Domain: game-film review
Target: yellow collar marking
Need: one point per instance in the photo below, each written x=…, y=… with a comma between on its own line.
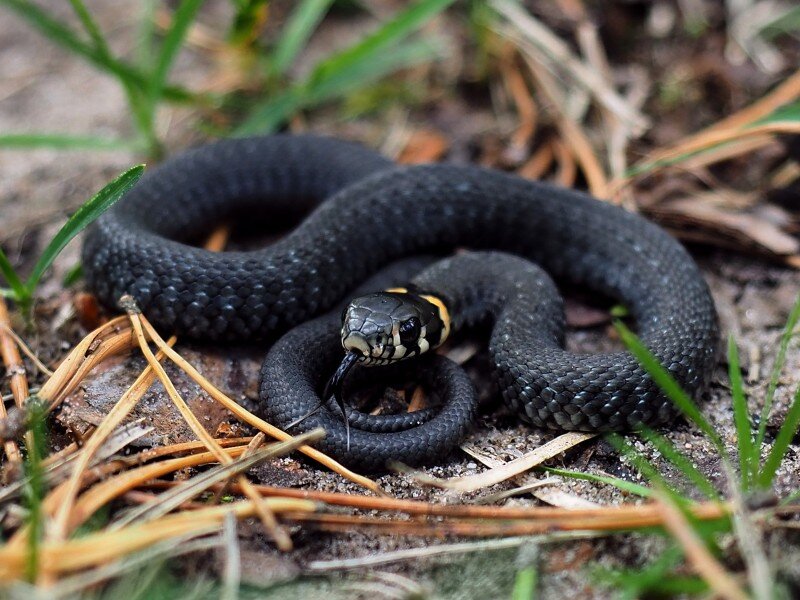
x=444, y=314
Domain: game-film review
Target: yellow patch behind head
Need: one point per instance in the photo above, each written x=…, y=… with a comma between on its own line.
x=444, y=314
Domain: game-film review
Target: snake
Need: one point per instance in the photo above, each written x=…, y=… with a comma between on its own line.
x=347, y=285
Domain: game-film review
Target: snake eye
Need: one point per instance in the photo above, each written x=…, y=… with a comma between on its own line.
x=409, y=330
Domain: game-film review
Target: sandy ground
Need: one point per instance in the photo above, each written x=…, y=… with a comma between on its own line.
x=42, y=89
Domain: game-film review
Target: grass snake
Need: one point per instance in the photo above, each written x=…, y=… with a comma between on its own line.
x=364, y=213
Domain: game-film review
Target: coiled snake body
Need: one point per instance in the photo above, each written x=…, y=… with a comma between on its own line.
x=365, y=214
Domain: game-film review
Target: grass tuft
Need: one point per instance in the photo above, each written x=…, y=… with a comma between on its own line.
x=22, y=292
x=35, y=489
x=668, y=385
x=378, y=54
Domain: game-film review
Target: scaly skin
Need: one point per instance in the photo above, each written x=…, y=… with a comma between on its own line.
x=369, y=214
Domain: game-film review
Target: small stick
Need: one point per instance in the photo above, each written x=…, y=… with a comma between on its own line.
x=18, y=381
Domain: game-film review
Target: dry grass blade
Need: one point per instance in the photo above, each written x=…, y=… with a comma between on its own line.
x=105, y=546
x=267, y=518
x=186, y=490
x=56, y=471
x=73, y=586
x=547, y=48
x=26, y=350
x=385, y=558
x=538, y=164
x=18, y=381
x=714, y=138
x=232, y=574
x=575, y=139
x=510, y=469
x=526, y=108
x=121, y=409
x=786, y=92
x=698, y=218
x=111, y=338
x=517, y=491
x=717, y=578
x=598, y=519
x=253, y=445
x=709, y=510
x=737, y=127
x=183, y=448
x=249, y=418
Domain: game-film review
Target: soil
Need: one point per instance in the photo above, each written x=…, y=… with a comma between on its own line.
x=44, y=89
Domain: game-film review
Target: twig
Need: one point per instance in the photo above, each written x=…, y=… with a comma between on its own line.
x=17, y=381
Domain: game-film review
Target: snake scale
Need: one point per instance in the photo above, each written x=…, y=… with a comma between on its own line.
x=364, y=213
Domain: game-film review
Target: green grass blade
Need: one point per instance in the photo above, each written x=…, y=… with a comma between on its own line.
x=362, y=73
x=73, y=275
x=794, y=496
x=668, y=385
x=777, y=369
x=91, y=27
x=748, y=457
x=35, y=489
x=59, y=141
x=783, y=23
x=785, y=436
x=301, y=24
x=87, y=213
x=18, y=289
x=644, y=466
x=267, y=116
x=681, y=462
x=145, y=35
x=625, y=486
x=181, y=20
x=54, y=31
x=250, y=14
x=525, y=584
x=389, y=34
x=788, y=113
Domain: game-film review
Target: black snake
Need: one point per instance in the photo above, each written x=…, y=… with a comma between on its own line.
x=365, y=213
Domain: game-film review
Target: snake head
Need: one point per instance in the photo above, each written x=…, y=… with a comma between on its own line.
x=393, y=325
x=386, y=327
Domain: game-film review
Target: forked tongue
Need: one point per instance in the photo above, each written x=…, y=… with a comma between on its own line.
x=335, y=383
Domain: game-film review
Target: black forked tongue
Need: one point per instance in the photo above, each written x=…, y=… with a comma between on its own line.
x=335, y=383
x=334, y=388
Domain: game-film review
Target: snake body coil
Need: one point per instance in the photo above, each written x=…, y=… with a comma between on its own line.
x=366, y=213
